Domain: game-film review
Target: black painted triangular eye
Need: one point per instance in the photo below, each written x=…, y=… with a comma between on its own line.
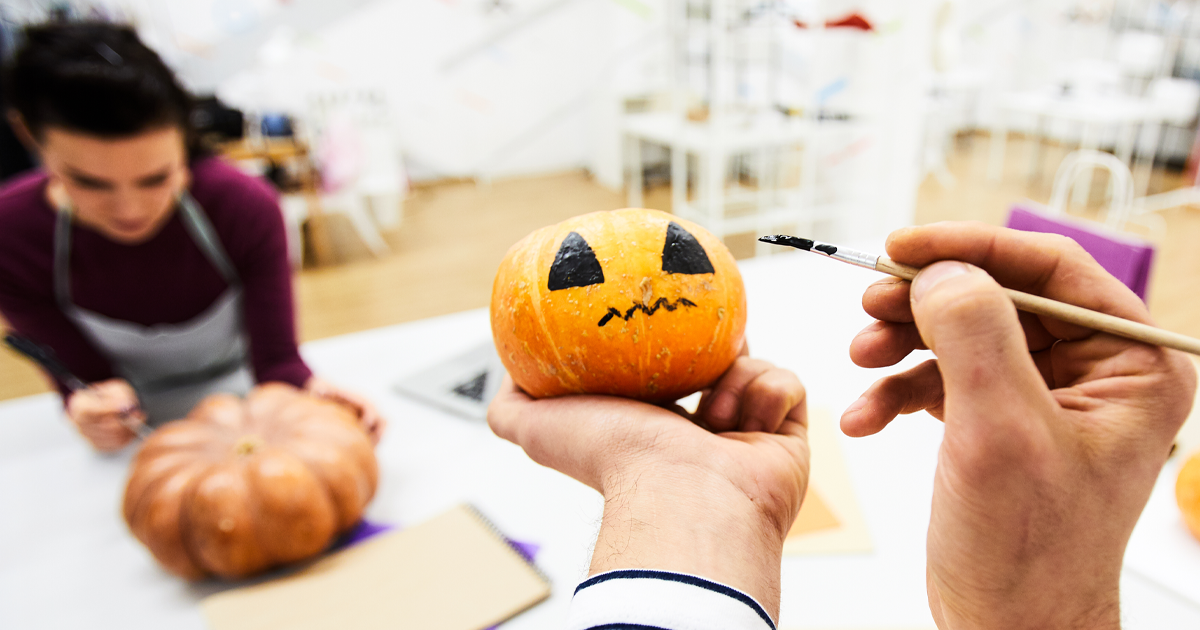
x=575, y=265
x=682, y=253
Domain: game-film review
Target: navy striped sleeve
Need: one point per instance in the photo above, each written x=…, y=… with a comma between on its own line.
x=637, y=599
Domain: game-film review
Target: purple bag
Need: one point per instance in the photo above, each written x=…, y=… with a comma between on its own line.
x=1127, y=258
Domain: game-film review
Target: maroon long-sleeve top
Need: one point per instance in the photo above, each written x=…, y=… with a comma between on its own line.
x=165, y=280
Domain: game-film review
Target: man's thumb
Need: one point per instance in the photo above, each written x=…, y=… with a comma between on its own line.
x=969, y=322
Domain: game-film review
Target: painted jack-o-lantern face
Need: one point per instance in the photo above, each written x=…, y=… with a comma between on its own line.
x=632, y=302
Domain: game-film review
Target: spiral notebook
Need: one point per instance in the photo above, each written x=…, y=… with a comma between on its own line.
x=453, y=572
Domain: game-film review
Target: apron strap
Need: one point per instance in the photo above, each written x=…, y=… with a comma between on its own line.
x=206, y=239
x=62, y=258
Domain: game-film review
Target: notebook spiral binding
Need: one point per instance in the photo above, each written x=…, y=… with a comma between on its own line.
x=491, y=527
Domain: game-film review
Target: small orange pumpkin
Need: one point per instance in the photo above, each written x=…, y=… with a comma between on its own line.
x=241, y=486
x=1187, y=493
x=635, y=303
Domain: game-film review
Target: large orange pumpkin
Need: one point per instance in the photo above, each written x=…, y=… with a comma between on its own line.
x=635, y=303
x=1187, y=493
x=240, y=486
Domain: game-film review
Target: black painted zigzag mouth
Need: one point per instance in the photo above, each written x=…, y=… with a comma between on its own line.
x=661, y=303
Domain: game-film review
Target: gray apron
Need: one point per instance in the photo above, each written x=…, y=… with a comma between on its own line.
x=171, y=366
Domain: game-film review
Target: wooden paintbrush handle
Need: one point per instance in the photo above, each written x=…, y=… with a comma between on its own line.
x=887, y=265
x=1073, y=314
x=1102, y=322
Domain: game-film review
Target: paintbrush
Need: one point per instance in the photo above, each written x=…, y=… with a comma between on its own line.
x=1023, y=301
x=50, y=362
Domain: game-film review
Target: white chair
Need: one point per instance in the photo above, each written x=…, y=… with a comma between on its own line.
x=1102, y=98
x=1179, y=103
x=1175, y=103
x=1139, y=57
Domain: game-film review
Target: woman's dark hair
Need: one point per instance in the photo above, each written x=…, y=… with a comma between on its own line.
x=95, y=78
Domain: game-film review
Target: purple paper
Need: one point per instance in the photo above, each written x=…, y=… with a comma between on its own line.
x=527, y=550
x=1125, y=257
x=360, y=532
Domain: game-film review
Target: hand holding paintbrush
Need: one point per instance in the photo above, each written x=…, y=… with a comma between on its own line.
x=93, y=401
x=1054, y=434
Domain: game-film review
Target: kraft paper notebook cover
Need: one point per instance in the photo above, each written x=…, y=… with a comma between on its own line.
x=453, y=572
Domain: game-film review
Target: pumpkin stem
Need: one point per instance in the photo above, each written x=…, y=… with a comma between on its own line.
x=247, y=444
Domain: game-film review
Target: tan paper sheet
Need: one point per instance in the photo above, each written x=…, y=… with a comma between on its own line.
x=450, y=573
x=830, y=519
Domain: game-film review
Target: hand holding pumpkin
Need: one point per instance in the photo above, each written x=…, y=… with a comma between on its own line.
x=368, y=416
x=1054, y=436
x=676, y=494
x=96, y=412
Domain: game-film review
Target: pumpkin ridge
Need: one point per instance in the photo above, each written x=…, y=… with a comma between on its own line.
x=254, y=494
x=187, y=495
x=149, y=488
x=349, y=442
x=327, y=489
x=726, y=322
x=643, y=357
x=540, y=318
x=146, y=528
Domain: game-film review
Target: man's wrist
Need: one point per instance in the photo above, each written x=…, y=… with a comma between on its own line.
x=1050, y=607
x=690, y=520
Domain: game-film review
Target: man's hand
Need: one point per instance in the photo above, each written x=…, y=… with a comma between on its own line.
x=368, y=416
x=679, y=497
x=97, y=413
x=1054, y=436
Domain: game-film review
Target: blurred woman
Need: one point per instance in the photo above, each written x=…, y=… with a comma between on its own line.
x=156, y=273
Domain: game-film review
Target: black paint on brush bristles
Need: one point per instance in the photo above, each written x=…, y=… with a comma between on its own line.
x=790, y=241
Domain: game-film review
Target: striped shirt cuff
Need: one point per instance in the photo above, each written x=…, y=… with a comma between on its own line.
x=630, y=599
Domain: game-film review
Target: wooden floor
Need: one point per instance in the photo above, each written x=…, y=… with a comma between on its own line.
x=454, y=235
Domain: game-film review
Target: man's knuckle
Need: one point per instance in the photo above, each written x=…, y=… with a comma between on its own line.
x=974, y=304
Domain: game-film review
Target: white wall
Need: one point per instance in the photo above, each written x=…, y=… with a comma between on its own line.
x=473, y=93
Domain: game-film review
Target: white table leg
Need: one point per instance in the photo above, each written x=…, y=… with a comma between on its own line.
x=633, y=153
x=679, y=181
x=1143, y=168
x=763, y=199
x=1126, y=135
x=1037, y=149
x=998, y=143
x=713, y=185
x=1088, y=140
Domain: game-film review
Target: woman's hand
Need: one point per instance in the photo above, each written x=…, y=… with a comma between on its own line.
x=101, y=412
x=1055, y=434
x=679, y=497
x=368, y=416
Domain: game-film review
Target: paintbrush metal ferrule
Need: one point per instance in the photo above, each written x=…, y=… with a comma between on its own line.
x=846, y=255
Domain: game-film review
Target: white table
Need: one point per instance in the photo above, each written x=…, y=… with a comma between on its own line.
x=766, y=137
x=67, y=561
x=1092, y=112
